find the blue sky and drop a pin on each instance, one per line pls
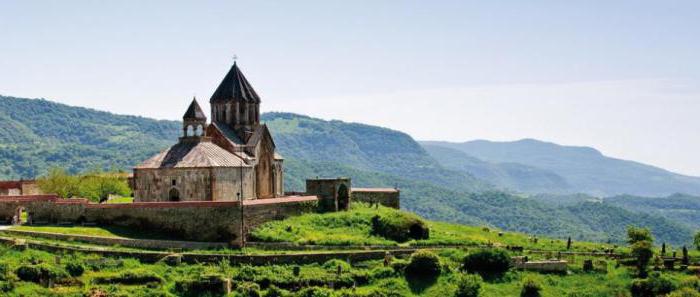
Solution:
(621, 76)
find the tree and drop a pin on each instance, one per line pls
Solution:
(636, 234)
(697, 240)
(59, 182)
(642, 250)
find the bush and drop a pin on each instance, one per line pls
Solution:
(248, 289)
(75, 269)
(655, 285)
(400, 226)
(130, 277)
(382, 273)
(273, 291)
(531, 288)
(213, 285)
(685, 292)
(468, 286)
(399, 266)
(315, 292)
(423, 263)
(487, 263)
(333, 264)
(39, 273)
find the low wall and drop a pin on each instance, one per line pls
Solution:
(125, 242)
(543, 266)
(214, 221)
(385, 196)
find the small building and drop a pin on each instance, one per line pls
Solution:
(336, 194)
(19, 188)
(232, 158)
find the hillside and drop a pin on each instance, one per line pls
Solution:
(52, 134)
(38, 134)
(513, 176)
(681, 208)
(584, 169)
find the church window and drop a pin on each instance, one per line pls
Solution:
(190, 131)
(174, 182)
(199, 131)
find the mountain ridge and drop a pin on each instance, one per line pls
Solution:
(586, 169)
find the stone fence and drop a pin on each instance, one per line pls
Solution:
(212, 221)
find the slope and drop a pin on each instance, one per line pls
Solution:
(585, 169)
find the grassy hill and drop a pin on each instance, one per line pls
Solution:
(38, 134)
(584, 169)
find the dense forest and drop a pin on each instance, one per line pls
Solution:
(36, 135)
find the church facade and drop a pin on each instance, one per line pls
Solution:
(231, 158)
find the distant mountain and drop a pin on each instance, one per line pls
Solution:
(678, 207)
(37, 134)
(584, 169)
(512, 176)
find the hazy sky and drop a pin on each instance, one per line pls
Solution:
(621, 76)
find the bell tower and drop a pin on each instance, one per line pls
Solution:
(236, 104)
(194, 122)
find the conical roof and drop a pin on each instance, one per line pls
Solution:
(194, 111)
(234, 87)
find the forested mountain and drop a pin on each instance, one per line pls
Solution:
(678, 207)
(36, 134)
(584, 169)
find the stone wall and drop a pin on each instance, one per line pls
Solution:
(385, 196)
(333, 193)
(19, 187)
(193, 184)
(218, 221)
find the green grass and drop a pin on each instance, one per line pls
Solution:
(354, 227)
(118, 200)
(369, 276)
(106, 231)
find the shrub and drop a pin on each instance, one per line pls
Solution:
(40, 272)
(315, 292)
(468, 286)
(273, 291)
(655, 285)
(531, 288)
(333, 264)
(399, 266)
(423, 263)
(382, 273)
(643, 251)
(248, 289)
(487, 263)
(685, 292)
(400, 226)
(75, 269)
(635, 234)
(213, 285)
(130, 277)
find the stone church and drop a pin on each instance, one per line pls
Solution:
(231, 158)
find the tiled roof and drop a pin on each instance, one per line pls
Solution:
(192, 154)
(228, 133)
(194, 111)
(234, 87)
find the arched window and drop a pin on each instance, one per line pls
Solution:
(174, 195)
(199, 131)
(190, 131)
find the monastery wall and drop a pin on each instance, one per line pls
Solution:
(385, 196)
(214, 221)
